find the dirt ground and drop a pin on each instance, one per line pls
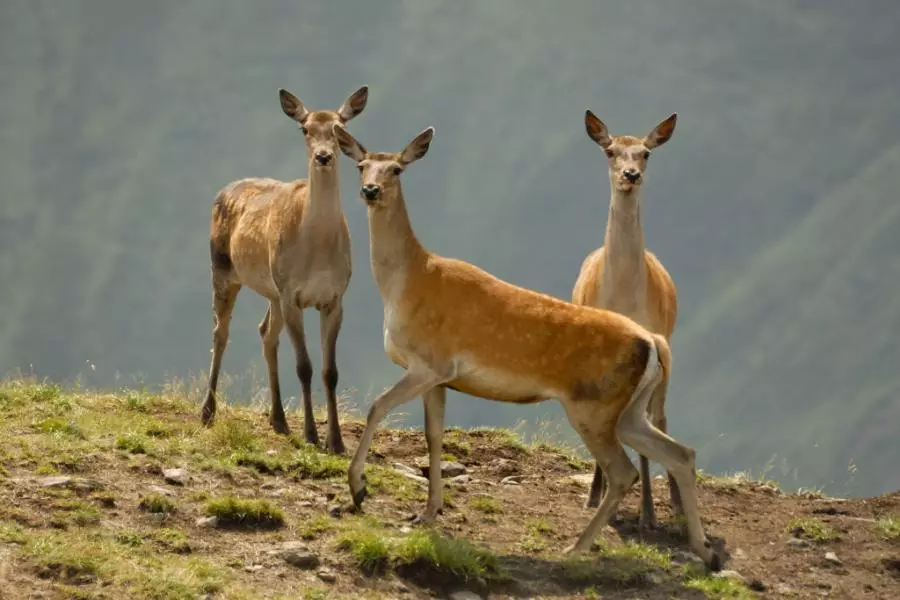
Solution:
(90, 498)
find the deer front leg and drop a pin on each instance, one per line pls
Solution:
(330, 319)
(269, 331)
(293, 319)
(413, 383)
(435, 400)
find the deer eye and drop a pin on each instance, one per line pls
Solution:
(646, 154)
(303, 129)
(359, 167)
(398, 170)
(610, 153)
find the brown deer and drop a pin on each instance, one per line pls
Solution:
(624, 277)
(288, 242)
(449, 324)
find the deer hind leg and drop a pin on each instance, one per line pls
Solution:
(657, 410)
(269, 331)
(330, 322)
(435, 400)
(635, 430)
(224, 296)
(598, 432)
(293, 319)
(413, 383)
(598, 488)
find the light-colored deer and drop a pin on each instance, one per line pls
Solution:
(288, 242)
(451, 325)
(624, 277)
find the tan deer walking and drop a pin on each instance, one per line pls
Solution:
(625, 277)
(451, 325)
(288, 242)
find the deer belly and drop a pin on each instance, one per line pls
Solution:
(321, 289)
(494, 383)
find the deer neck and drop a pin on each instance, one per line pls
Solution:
(324, 203)
(394, 248)
(625, 268)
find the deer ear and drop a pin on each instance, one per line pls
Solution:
(661, 133)
(348, 143)
(418, 147)
(596, 130)
(292, 106)
(354, 104)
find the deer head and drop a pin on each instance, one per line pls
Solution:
(379, 172)
(317, 125)
(627, 155)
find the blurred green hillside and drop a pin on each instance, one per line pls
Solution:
(774, 206)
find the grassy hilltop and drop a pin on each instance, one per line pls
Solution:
(126, 496)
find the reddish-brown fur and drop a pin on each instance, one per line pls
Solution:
(451, 324)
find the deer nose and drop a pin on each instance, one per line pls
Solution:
(370, 191)
(632, 175)
(323, 158)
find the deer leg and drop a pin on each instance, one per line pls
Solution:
(224, 296)
(412, 384)
(598, 487)
(434, 399)
(595, 422)
(635, 430)
(269, 331)
(330, 321)
(293, 319)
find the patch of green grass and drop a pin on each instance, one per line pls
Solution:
(76, 512)
(647, 554)
(315, 593)
(368, 546)
(309, 463)
(812, 529)
(184, 580)
(11, 532)
(171, 540)
(505, 438)
(243, 512)
(593, 593)
(313, 528)
(46, 470)
(626, 564)
(532, 544)
(486, 505)
(156, 503)
(540, 527)
(428, 550)
(64, 558)
(715, 588)
(231, 435)
(133, 442)
(456, 442)
(130, 539)
(888, 527)
(385, 480)
(59, 426)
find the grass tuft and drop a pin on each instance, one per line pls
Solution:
(888, 527)
(133, 442)
(716, 588)
(451, 557)
(812, 529)
(245, 513)
(313, 528)
(156, 503)
(485, 504)
(368, 547)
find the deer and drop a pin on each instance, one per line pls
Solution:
(451, 325)
(623, 276)
(289, 242)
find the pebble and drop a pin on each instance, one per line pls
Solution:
(158, 489)
(832, 558)
(326, 576)
(511, 480)
(207, 522)
(175, 476)
(448, 469)
(798, 542)
(300, 559)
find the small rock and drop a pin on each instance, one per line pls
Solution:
(253, 568)
(405, 469)
(299, 559)
(832, 558)
(158, 489)
(653, 578)
(54, 481)
(413, 476)
(757, 586)
(268, 485)
(460, 480)
(448, 469)
(732, 575)
(739, 554)
(207, 522)
(305, 504)
(174, 476)
(326, 576)
(271, 452)
(798, 542)
(464, 595)
(585, 479)
(511, 480)
(157, 517)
